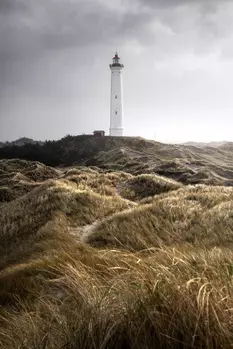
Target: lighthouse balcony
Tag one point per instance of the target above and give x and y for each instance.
(116, 65)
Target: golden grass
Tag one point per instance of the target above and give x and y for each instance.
(56, 196)
(101, 183)
(114, 299)
(54, 205)
(197, 215)
(145, 185)
(19, 177)
(161, 277)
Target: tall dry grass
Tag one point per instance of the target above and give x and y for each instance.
(160, 278)
(114, 299)
(198, 215)
(101, 183)
(146, 185)
(52, 208)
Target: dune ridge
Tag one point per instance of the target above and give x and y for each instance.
(98, 258)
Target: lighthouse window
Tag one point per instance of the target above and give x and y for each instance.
(116, 112)
(115, 96)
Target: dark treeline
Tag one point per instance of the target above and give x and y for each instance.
(72, 150)
(67, 151)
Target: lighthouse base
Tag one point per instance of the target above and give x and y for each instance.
(116, 132)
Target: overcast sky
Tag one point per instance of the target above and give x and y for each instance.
(178, 76)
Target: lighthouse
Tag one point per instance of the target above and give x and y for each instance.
(116, 102)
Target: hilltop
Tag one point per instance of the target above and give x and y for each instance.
(206, 144)
(20, 142)
(184, 163)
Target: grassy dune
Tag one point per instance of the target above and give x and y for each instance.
(92, 258)
(142, 186)
(186, 163)
(197, 215)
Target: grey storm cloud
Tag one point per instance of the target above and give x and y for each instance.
(32, 29)
(55, 24)
(7, 6)
(34, 26)
(174, 3)
(49, 49)
(29, 29)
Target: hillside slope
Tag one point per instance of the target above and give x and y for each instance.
(187, 164)
(98, 258)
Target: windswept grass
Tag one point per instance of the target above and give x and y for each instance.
(83, 268)
(187, 164)
(53, 205)
(101, 183)
(197, 215)
(142, 186)
(6, 194)
(115, 299)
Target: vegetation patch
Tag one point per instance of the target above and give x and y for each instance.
(146, 185)
(199, 216)
(97, 258)
(6, 194)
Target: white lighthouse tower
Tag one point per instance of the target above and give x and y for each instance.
(116, 103)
